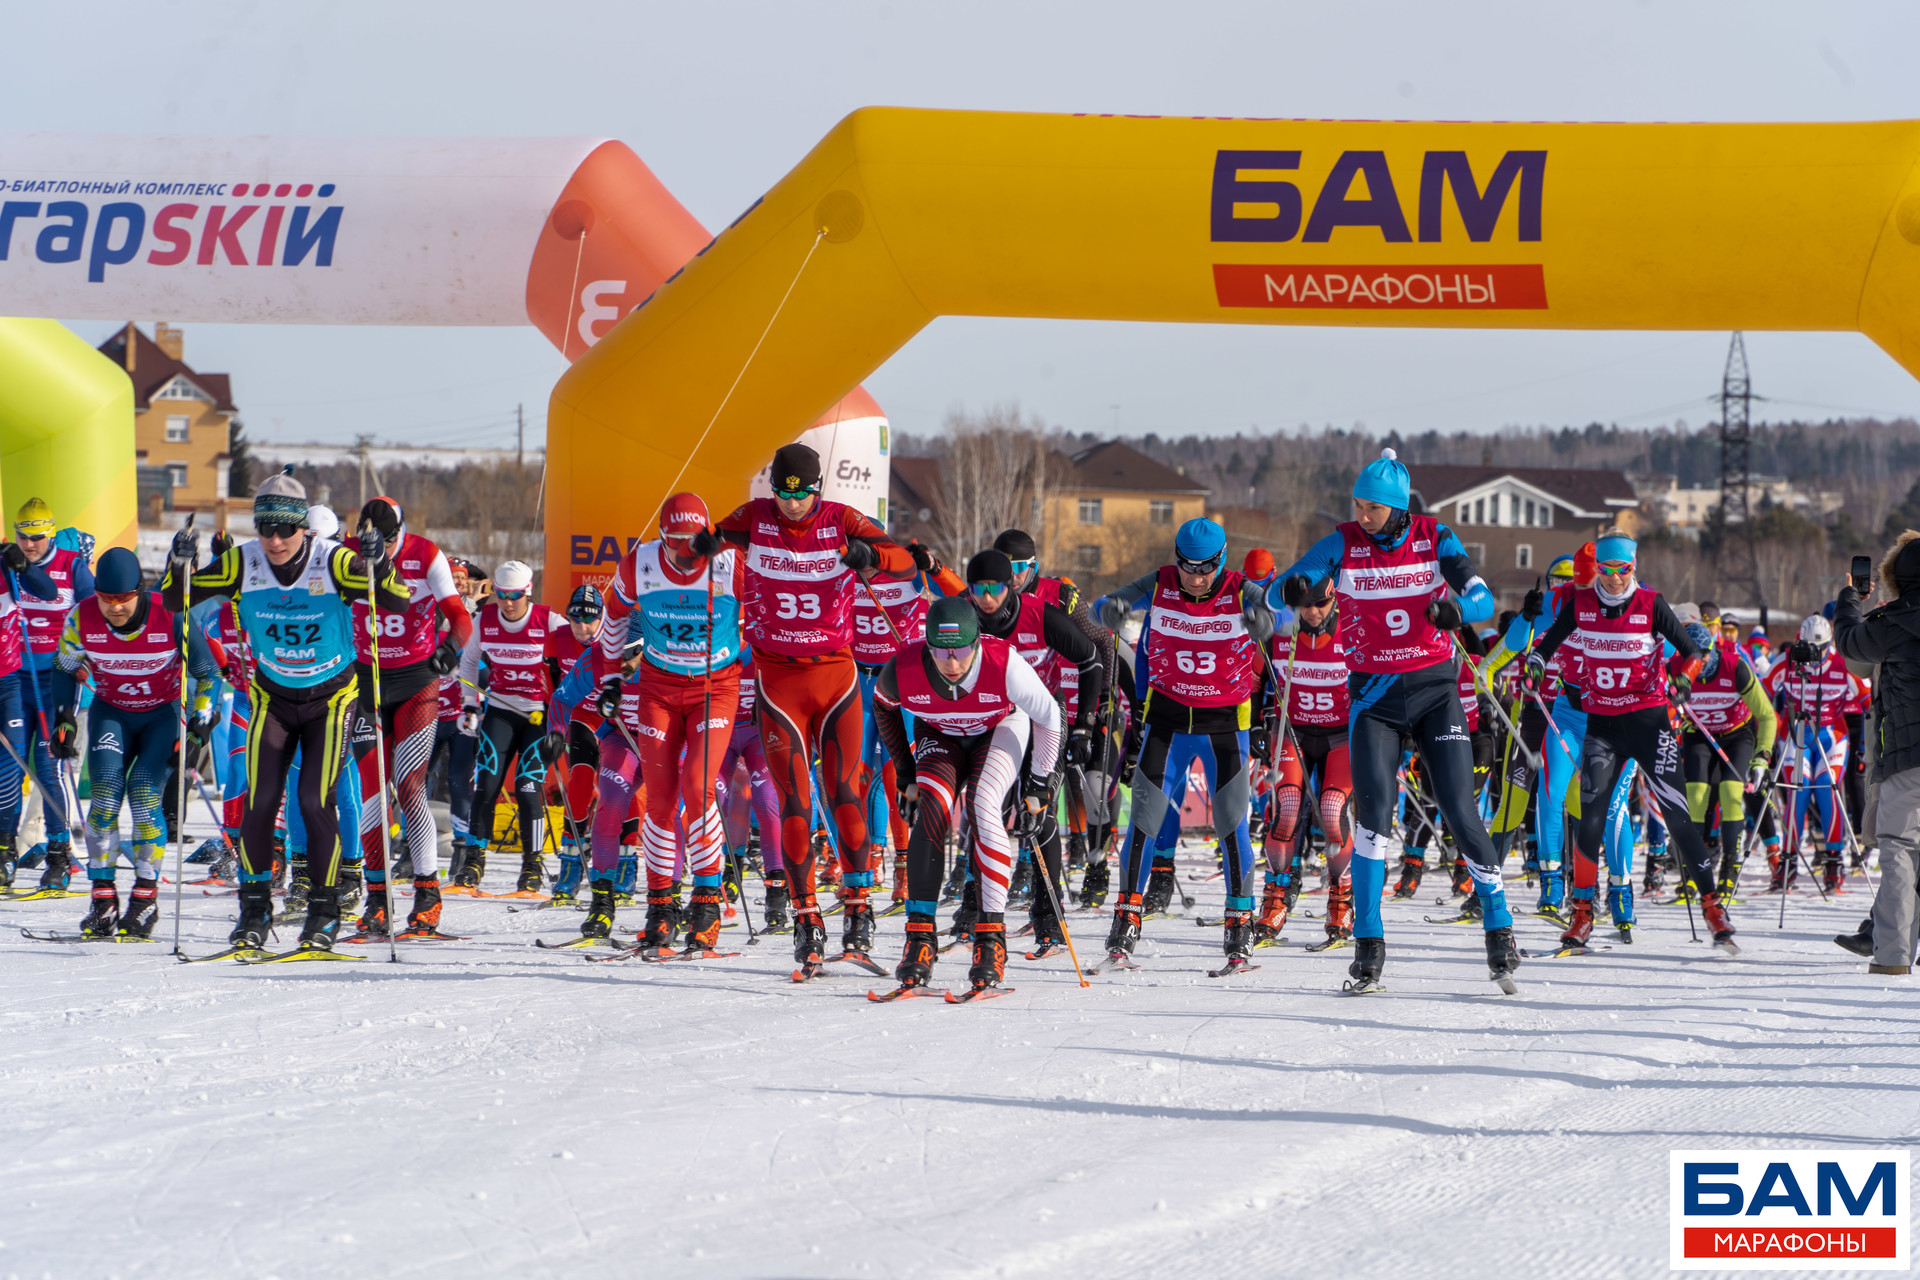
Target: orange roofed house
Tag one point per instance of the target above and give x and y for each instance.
(182, 424)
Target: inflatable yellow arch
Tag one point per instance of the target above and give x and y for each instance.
(66, 431)
(899, 216)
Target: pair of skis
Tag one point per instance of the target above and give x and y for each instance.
(950, 997)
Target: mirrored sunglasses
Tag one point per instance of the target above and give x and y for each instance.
(117, 598)
(1616, 566)
(1026, 566)
(949, 655)
(502, 593)
(984, 589)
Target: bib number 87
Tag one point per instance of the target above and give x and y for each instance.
(789, 605)
(1611, 677)
(1195, 662)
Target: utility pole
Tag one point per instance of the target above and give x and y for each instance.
(520, 435)
(1738, 557)
(360, 445)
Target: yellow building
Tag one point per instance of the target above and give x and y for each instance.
(182, 422)
(1111, 512)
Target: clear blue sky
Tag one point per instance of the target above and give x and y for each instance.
(720, 99)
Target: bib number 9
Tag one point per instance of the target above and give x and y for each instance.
(789, 605)
(1399, 621)
(1195, 662)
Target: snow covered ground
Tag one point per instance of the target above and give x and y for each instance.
(486, 1108)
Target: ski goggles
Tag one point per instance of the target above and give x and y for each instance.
(984, 589)
(1026, 566)
(1207, 566)
(117, 598)
(277, 530)
(1615, 566)
(579, 613)
(794, 495)
(951, 655)
(517, 593)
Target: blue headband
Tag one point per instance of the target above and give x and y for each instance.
(1617, 547)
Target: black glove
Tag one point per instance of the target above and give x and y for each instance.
(608, 703)
(1536, 671)
(220, 543)
(66, 731)
(704, 543)
(1130, 754)
(372, 544)
(1080, 745)
(1260, 739)
(1533, 604)
(552, 747)
(1034, 795)
(923, 560)
(859, 555)
(1293, 592)
(13, 557)
(1444, 613)
(199, 729)
(444, 658)
(1679, 687)
(909, 803)
(186, 547)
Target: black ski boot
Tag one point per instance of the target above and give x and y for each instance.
(989, 952)
(775, 905)
(809, 939)
(1237, 942)
(967, 913)
(856, 930)
(1369, 959)
(1093, 885)
(916, 961)
(1503, 957)
(1160, 887)
(374, 917)
(256, 915)
(425, 916)
(599, 921)
(473, 868)
(1048, 936)
(103, 918)
(299, 887)
(703, 919)
(1125, 933)
(1860, 941)
(59, 872)
(323, 918)
(533, 873)
(1412, 867)
(9, 859)
(143, 910)
(956, 881)
(1021, 889)
(1076, 850)
(663, 917)
(353, 886)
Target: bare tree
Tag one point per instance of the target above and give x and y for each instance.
(995, 474)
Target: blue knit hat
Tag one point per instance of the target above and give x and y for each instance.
(1200, 541)
(1384, 480)
(119, 572)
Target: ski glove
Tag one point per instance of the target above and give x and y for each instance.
(1533, 604)
(910, 804)
(199, 729)
(1293, 592)
(372, 545)
(186, 547)
(220, 543)
(13, 557)
(1260, 738)
(1536, 671)
(608, 703)
(859, 555)
(923, 559)
(1034, 793)
(704, 543)
(469, 720)
(1679, 688)
(66, 731)
(1444, 613)
(1079, 745)
(552, 747)
(444, 659)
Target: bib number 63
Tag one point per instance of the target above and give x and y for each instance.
(1195, 662)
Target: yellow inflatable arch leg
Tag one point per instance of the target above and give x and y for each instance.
(66, 431)
(912, 214)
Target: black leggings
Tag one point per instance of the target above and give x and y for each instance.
(1648, 736)
(316, 727)
(510, 741)
(1706, 775)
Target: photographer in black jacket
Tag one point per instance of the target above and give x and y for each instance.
(1890, 637)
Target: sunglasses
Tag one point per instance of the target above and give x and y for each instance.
(949, 655)
(794, 495)
(1197, 566)
(985, 589)
(117, 598)
(501, 593)
(1616, 566)
(277, 529)
(23, 536)
(580, 615)
(1026, 566)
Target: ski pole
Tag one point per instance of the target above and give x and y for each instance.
(40, 711)
(1060, 917)
(380, 747)
(180, 806)
(709, 801)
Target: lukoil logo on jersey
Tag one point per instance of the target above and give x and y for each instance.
(1789, 1210)
(261, 224)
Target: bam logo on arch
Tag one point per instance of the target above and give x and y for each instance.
(1258, 198)
(1788, 1210)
